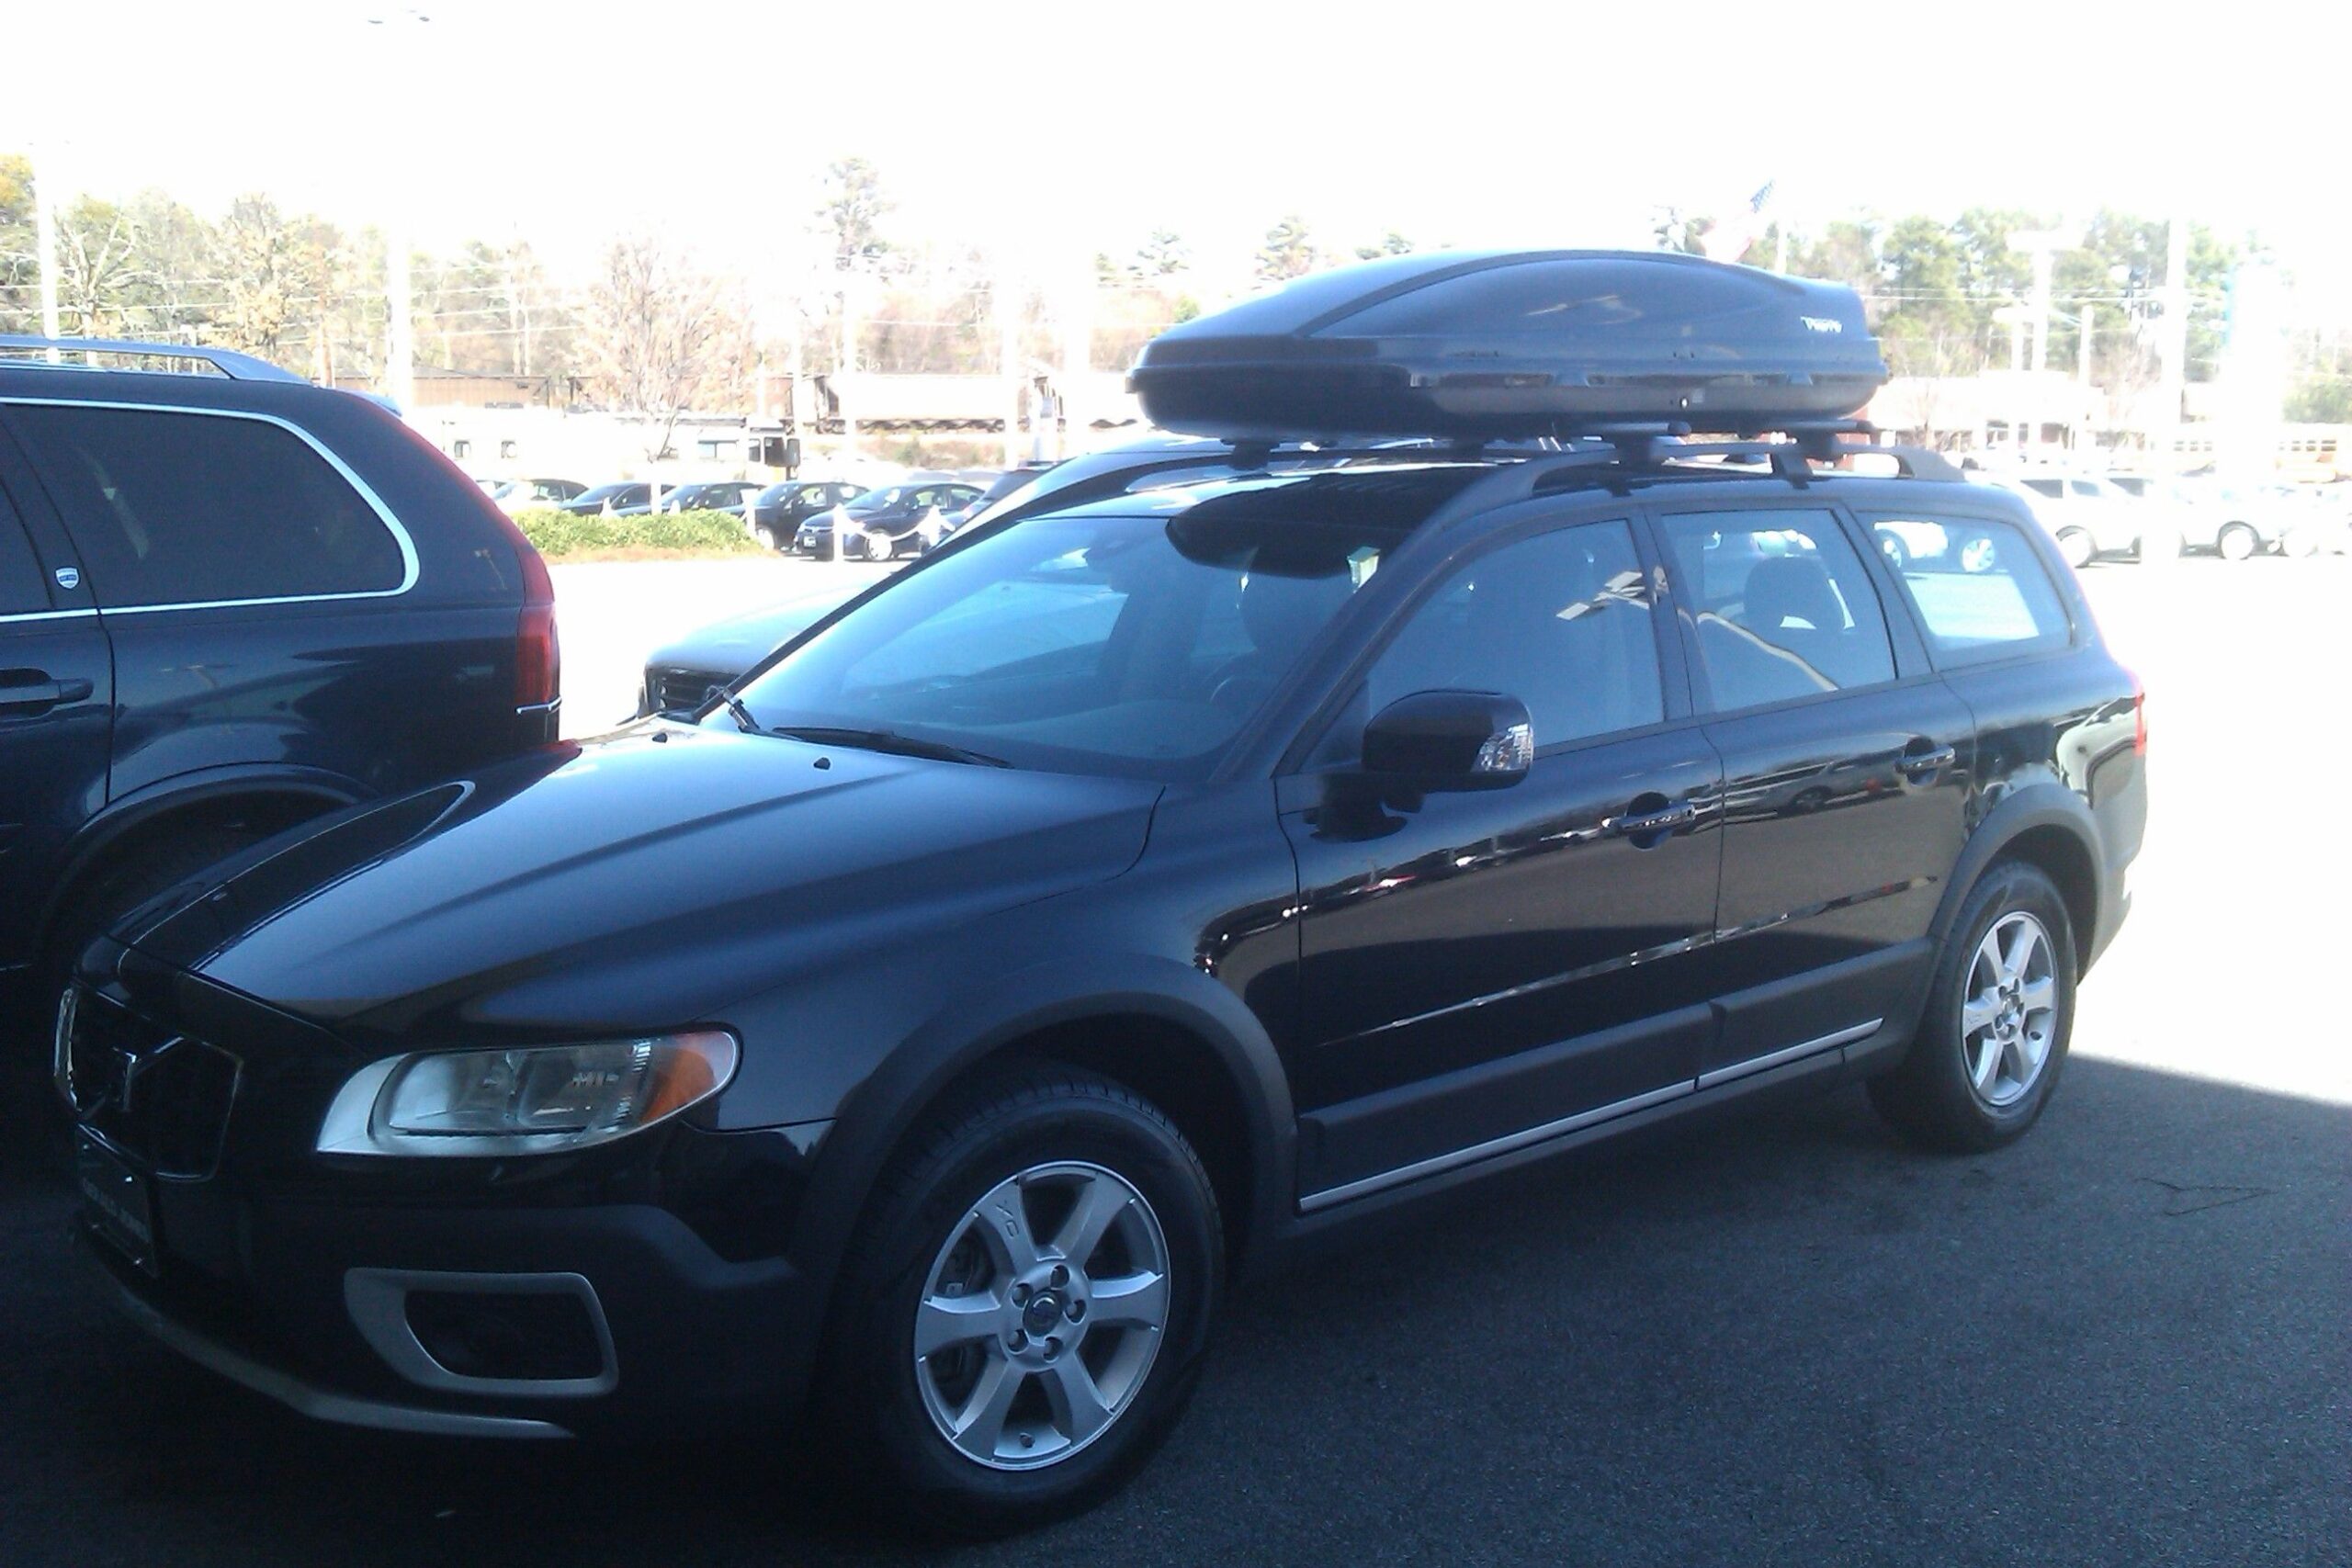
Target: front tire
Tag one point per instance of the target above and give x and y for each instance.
(2238, 542)
(2076, 546)
(1024, 1317)
(2000, 1013)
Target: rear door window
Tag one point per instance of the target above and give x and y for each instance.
(1781, 604)
(195, 507)
(1981, 591)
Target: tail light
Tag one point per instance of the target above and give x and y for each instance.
(2138, 718)
(538, 654)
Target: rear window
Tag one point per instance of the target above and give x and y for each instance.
(190, 508)
(1981, 591)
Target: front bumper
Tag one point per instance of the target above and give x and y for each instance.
(319, 1403)
(643, 1285)
(690, 1339)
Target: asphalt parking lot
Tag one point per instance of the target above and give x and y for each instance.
(1778, 1339)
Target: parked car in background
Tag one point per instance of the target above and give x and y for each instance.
(2086, 515)
(684, 675)
(2235, 520)
(886, 523)
(996, 490)
(617, 497)
(778, 510)
(523, 495)
(712, 495)
(230, 602)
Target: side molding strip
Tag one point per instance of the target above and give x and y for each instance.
(1489, 1150)
(1509, 1141)
(1790, 1054)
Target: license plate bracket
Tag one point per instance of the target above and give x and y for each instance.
(117, 1201)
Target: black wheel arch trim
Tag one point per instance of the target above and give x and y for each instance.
(969, 1028)
(184, 791)
(2037, 806)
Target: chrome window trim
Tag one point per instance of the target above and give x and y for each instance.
(367, 493)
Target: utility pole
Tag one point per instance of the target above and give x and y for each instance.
(1078, 353)
(45, 240)
(400, 38)
(2173, 344)
(2042, 245)
(1005, 295)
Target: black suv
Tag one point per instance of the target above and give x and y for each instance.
(229, 602)
(1155, 877)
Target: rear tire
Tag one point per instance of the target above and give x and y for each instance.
(2077, 547)
(2000, 1015)
(2238, 542)
(1083, 1339)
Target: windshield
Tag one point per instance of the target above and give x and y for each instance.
(878, 500)
(1131, 646)
(610, 492)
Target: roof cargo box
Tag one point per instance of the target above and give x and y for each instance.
(1511, 343)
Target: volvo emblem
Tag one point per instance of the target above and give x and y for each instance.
(69, 577)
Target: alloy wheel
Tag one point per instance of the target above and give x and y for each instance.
(2008, 1012)
(1041, 1316)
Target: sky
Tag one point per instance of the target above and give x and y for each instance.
(1047, 131)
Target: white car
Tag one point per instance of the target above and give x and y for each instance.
(2088, 516)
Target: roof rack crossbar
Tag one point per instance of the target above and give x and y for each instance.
(228, 362)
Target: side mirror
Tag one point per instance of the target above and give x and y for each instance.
(1451, 740)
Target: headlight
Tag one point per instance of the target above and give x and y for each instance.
(534, 1099)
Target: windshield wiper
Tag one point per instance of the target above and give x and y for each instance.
(889, 742)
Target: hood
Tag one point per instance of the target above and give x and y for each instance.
(739, 642)
(640, 881)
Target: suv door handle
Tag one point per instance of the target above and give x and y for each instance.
(1679, 814)
(41, 694)
(1919, 764)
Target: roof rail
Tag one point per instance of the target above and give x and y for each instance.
(228, 362)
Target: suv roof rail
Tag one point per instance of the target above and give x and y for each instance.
(228, 362)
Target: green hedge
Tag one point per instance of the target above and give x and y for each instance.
(560, 533)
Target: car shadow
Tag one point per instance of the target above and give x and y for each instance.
(1782, 1336)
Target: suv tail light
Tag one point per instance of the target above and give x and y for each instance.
(538, 656)
(2139, 718)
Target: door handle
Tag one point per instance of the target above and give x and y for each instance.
(1633, 825)
(41, 694)
(1919, 764)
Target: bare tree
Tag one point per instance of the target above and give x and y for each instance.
(662, 335)
(275, 272)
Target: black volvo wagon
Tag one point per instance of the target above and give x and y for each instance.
(920, 1034)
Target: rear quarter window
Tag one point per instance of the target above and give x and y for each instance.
(1981, 591)
(171, 508)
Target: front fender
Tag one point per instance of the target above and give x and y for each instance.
(971, 1024)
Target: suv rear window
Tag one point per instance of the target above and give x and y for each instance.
(197, 508)
(1981, 592)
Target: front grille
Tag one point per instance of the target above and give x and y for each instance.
(679, 691)
(161, 1097)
